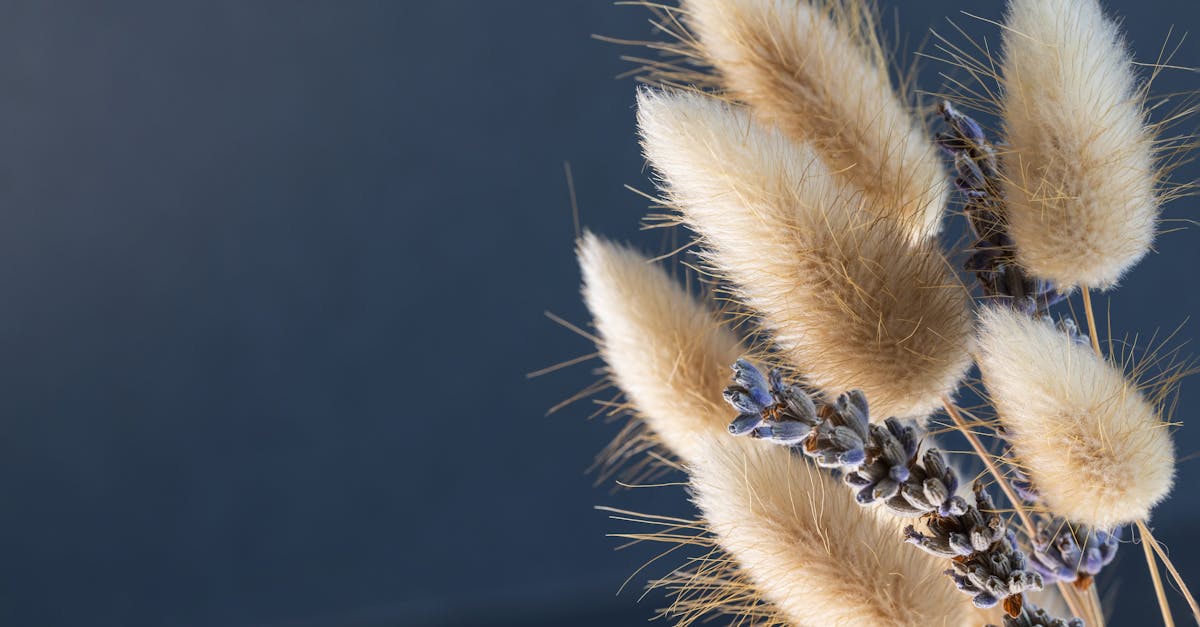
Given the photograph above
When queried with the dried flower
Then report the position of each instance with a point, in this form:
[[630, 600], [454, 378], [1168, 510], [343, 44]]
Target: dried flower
[[817, 197], [979, 182], [1080, 173], [809, 548], [664, 349], [881, 462], [1094, 448], [1062, 552], [987, 563], [817, 72], [848, 299]]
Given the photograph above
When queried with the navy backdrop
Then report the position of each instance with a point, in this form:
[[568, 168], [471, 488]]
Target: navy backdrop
[[273, 273]]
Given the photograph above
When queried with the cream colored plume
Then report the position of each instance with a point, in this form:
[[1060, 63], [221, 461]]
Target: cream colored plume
[[1095, 449], [850, 301], [665, 350], [813, 552], [815, 69], [1081, 176]]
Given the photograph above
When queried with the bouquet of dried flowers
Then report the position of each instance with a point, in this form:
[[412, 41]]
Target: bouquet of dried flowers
[[802, 390]]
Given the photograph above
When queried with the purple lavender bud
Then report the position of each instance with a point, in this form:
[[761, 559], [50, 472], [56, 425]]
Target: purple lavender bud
[[963, 125], [742, 401], [752, 380], [853, 407], [745, 423], [852, 457], [984, 600], [800, 405], [789, 432]]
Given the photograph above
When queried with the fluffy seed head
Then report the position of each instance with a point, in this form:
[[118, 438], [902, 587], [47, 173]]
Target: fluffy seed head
[[816, 70], [810, 549], [664, 349], [1081, 174], [849, 299], [1094, 448]]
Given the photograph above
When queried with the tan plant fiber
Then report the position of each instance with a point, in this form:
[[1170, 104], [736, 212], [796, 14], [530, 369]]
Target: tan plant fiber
[[815, 69], [665, 350], [810, 549], [1096, 450], [1081, 176], [850, 301]]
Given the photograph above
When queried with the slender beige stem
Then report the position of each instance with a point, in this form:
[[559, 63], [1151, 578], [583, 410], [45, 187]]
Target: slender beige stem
[[983, 454], [1175, 576], [989, 462], [1150, 545], [1094, 336], [1091, 321], [1159, 590]]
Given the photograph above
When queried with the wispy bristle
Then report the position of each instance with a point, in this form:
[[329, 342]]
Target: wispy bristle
[[665, 350], [852, 303], [810, 549], [1096, 452], [1081, 175], [815, 69]]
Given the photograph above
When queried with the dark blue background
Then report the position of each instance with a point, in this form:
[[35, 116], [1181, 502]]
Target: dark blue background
[[272, 275]]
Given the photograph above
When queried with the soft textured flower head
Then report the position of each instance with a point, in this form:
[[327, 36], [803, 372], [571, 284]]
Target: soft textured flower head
[[1094, 448], [664, 349], [810, 549], [852, 303], [1080, 172], [816, 70]]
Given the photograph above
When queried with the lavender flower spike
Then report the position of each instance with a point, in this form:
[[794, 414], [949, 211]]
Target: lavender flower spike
[[882, 464], [980, 183]]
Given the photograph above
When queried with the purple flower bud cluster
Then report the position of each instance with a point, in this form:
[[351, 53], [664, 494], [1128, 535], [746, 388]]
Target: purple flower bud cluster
[[977, 178], [882, 463], [988, 565], [1072, 554]]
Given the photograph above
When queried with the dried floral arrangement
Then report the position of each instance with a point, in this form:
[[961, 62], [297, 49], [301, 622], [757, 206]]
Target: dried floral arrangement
[[804, 386]]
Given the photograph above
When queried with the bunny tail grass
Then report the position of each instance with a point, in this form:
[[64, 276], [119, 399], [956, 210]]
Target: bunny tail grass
[[819, 557], [817, 71], [850, 301], [1095, 450], [665, 350], [1081, 178]]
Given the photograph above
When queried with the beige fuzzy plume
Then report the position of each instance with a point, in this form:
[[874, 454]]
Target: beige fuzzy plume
[[815, 69], [1081, 175], [849, 299], [664, 349], [1095, 449], [810, 549]]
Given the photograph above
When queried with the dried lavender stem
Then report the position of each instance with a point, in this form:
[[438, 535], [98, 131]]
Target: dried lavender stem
[[1002, 481]]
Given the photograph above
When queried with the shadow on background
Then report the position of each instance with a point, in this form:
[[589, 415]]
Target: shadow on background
[[274, 273]]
